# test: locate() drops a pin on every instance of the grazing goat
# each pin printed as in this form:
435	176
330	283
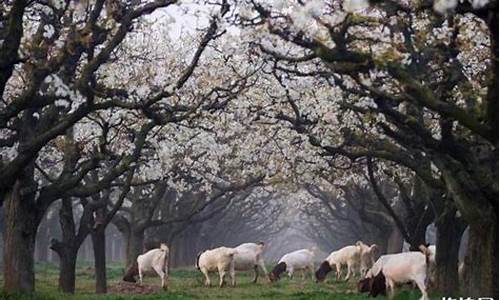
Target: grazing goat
297	260
396	268
249	257
373	285
133	270
154	260
366	256
349	255
220	259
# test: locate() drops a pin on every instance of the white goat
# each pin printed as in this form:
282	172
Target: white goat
396	268
249	257
220	259
154	260
349	255
297	260
366	256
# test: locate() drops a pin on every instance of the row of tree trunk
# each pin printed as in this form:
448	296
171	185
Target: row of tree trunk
449	233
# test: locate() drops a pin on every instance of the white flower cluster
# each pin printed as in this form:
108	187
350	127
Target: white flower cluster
49	31
355	5
445	7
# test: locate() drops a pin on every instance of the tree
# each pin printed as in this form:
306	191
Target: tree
60	80
350	213
399	69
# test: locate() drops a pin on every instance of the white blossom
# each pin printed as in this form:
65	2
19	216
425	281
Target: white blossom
59	4
314	8
445	6
246	11
48	31
280	4
61	103
477	4
355	5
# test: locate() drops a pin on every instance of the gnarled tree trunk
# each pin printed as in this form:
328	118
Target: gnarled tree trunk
449	233
67	249
479	208
67	270
395	242
20	226
481	261
135	244
99	245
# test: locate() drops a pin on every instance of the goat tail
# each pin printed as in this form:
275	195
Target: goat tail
165	260
425	250
198	260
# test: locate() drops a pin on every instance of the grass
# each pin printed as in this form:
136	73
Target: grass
186	284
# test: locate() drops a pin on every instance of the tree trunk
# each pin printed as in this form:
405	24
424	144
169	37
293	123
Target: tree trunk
423	216
481	261
188	251
1	232
478	205
20	226
449	233
67	270
181	251
99	244
135	243
67	248
417	238
68	255
395	242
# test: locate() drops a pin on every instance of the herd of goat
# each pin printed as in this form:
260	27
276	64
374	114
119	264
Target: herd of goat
377	276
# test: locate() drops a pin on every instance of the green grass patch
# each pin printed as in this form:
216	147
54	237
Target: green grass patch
187	283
